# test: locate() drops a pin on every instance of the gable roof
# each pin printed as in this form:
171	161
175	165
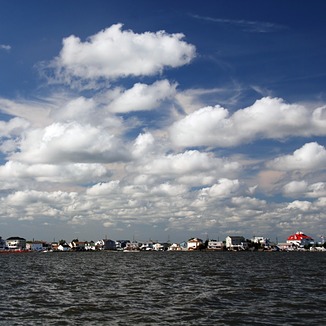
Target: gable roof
16	238
299	236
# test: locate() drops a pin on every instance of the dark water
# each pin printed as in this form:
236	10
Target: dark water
163	288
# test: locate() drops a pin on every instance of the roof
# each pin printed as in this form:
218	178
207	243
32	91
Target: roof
195	240
299	236
16	238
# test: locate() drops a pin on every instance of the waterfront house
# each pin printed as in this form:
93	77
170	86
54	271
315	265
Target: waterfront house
299	239
147	246
264	242
99	245
16	243
174	247
236	243
159	247
105	244
121	244
90	245
54	246
77	245
64	247
194	244
215	245
3	244
109	245
132	246
35	245
182	246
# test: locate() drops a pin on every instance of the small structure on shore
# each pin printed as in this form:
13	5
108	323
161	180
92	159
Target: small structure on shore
16	243
299	239
235	243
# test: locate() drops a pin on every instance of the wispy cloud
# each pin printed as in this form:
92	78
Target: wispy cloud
245	25
5	47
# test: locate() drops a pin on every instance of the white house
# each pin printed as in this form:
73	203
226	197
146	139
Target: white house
90	245
105	244
236	243
158	247
64	247
215	245
147	246
174	247
194	243
178	246
265	242
16	243
35	245
99	245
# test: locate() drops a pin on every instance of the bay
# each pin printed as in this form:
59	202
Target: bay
163	288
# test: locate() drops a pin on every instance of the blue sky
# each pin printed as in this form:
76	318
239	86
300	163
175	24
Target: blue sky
141	119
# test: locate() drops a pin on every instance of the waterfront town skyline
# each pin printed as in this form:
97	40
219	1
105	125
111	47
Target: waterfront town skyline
297	235
295	242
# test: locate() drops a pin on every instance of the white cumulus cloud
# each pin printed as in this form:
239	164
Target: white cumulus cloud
310	156
302	188
77	172
70	142
300	205
142	97
295	188
187	163
317	189
143	145
269	118
13	127
114	53
103	189
224	188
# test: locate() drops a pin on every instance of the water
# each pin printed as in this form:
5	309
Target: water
163	288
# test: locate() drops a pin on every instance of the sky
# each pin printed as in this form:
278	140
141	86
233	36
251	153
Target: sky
162	120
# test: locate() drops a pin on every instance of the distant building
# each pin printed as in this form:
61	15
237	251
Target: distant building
215	245
90	245
182	246
174	247
236	243
63	247
77	245
194	243
54	246
16	243
35	245
121	244
147	246
109	245
264	242
158	246
300	239
3	244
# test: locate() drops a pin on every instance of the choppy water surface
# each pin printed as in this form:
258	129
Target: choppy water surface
163	288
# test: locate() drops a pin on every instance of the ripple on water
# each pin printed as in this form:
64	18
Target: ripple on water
198	288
